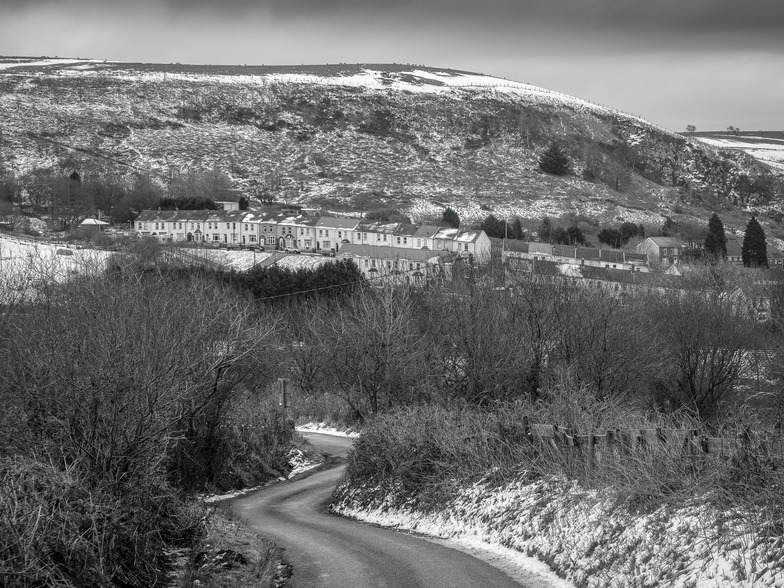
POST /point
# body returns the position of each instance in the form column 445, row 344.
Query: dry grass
column 229, row 555
column 421, row 456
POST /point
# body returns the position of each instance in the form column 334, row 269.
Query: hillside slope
column 354, row 137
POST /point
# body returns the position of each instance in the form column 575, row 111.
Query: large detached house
column 661, row 251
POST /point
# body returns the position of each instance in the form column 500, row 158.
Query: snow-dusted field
column 24, row 263
column 591, row 543
column 766, row 149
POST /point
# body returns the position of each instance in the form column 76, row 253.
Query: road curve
column 328, row 551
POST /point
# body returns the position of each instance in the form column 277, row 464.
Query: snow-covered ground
column 326, row 429
column 588, row 540
column 24, row 262
column 768, row 150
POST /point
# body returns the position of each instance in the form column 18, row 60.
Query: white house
column 475, row 243
column 334, row 232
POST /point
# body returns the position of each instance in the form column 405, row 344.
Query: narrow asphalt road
column 328, row 551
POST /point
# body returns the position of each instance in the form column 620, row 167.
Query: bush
column 58, row 529
column 247, row 447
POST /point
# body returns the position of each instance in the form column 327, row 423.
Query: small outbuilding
column 93, row 224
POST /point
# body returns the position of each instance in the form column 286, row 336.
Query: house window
column 419, row 242
column 365, row 261
column 307, row 243
column 440, row 244
column 321, row 233
column 466, row 247
column 228, row 225
column 405, row 240
column 340, row 234
column 326, row 244
column 385, row 237
column 271, row 240
column 216, row 237
column 253, row 238
column 398, row 240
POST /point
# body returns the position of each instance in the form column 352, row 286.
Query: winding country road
column 328, row 551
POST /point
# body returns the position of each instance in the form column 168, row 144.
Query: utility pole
column 284, row 387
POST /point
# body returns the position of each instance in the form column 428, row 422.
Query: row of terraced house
column 377, row 247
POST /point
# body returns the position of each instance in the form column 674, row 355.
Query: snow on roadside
column 298, row 461
column 586, row 538
column 326, row 429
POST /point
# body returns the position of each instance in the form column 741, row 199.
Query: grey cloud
column 695, row 16
column 674, row 15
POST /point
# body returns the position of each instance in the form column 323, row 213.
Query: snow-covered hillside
column 352, row 138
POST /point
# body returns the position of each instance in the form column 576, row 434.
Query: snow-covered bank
column 590, row 540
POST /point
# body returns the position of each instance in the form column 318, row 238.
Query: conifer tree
column 754, row 251
column 554, row 160
column 451, row 218
column 716, row 240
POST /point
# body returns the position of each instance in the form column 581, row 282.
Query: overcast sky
column 711, row 63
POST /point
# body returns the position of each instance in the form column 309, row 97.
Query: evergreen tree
column 516, row 230
column 754, row 251
column 545, row 230
column 554, row 160
column 451, row 218
column 629, row 230
column 716, row 241
column 493, row 227
column 611, row 237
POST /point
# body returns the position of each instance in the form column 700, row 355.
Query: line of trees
column 694, row 350
column 67, row 196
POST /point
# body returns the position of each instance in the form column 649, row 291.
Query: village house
column 376, row 233
column 335, row 232
column 661, row 251
column 473, row 243
column 423, row 236
column 404, row 236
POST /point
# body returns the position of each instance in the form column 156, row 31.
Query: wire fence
column 677, row 441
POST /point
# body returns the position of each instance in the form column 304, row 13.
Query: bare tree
column 112, row 373
column 374, row 350
column 707, row 336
